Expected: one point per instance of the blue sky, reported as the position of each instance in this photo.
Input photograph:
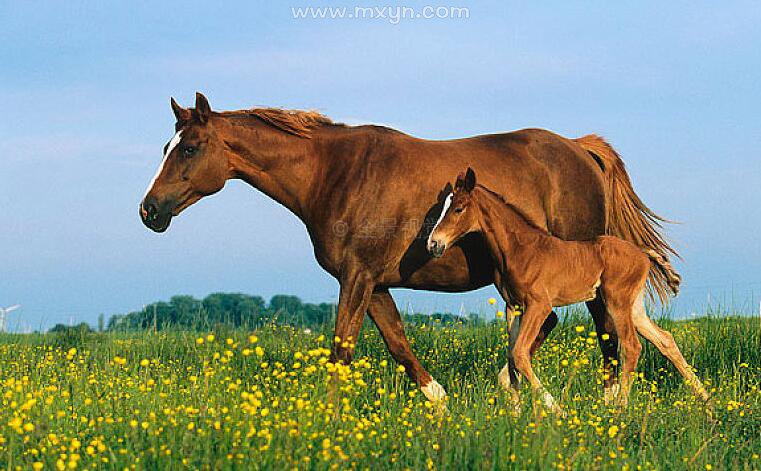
(85, 88)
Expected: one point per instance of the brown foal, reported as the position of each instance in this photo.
(539, 271)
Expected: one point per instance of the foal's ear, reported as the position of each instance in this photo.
(180, 113)
(470, 180)
(459, 184)
(203, 109)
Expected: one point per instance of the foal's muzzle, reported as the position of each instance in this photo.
(436, 248)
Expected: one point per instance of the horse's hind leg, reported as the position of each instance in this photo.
(608, 340)
(664, 341)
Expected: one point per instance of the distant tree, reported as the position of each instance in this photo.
(443, 318)
(81, 328)
(318, 314)
(234, 308)
(59, 328)
(285, 303)
(475, 319)
(183, 310)
(114, 322)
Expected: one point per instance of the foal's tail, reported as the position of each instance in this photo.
(628, 217)
(661, 264)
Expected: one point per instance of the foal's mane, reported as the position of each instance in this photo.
(512, 207)
(297, 122)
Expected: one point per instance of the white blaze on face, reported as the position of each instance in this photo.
(447, 204)
(169, 148)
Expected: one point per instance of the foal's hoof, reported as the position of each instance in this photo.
(555, 410)
(515, 408)
(610, 394)
(621, 402)
(558, 411)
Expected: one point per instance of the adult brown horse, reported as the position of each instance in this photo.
(370, 195)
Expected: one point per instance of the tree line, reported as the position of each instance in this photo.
(231, 309)
(184, 312)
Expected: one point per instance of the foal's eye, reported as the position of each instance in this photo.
(188, 151)
(458, 210)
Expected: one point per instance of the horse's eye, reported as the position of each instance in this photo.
(188, 151)
(458, 210)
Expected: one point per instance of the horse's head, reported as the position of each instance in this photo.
(195, 165)
(457, 216)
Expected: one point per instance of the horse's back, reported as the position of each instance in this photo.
(549, 178)
(567, 179)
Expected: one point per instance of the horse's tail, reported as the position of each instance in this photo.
(628, 217)
(662, 265)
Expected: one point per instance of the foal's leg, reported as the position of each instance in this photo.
(621, 315)
(550, 323)
(664, 341)
(609, 345)
(531, 323)
(508, 377)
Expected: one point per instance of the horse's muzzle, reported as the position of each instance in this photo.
(153, 216)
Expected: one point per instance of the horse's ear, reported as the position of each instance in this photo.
(470, 180)
(459, 184)
(180, 113)
(203, 109)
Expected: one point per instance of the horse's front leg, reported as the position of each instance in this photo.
(353, 301)
(386, 316)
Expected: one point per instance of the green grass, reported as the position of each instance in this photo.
(163, 400)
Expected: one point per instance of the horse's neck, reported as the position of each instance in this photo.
(504, 229)
(285, 170)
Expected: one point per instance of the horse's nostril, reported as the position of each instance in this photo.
(148, 211)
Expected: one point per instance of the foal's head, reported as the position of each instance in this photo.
(195, 165)
(458, 215)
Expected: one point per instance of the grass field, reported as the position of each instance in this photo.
(238, 399)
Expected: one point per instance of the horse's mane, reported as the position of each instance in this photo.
(517, 211)
(297, 122)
